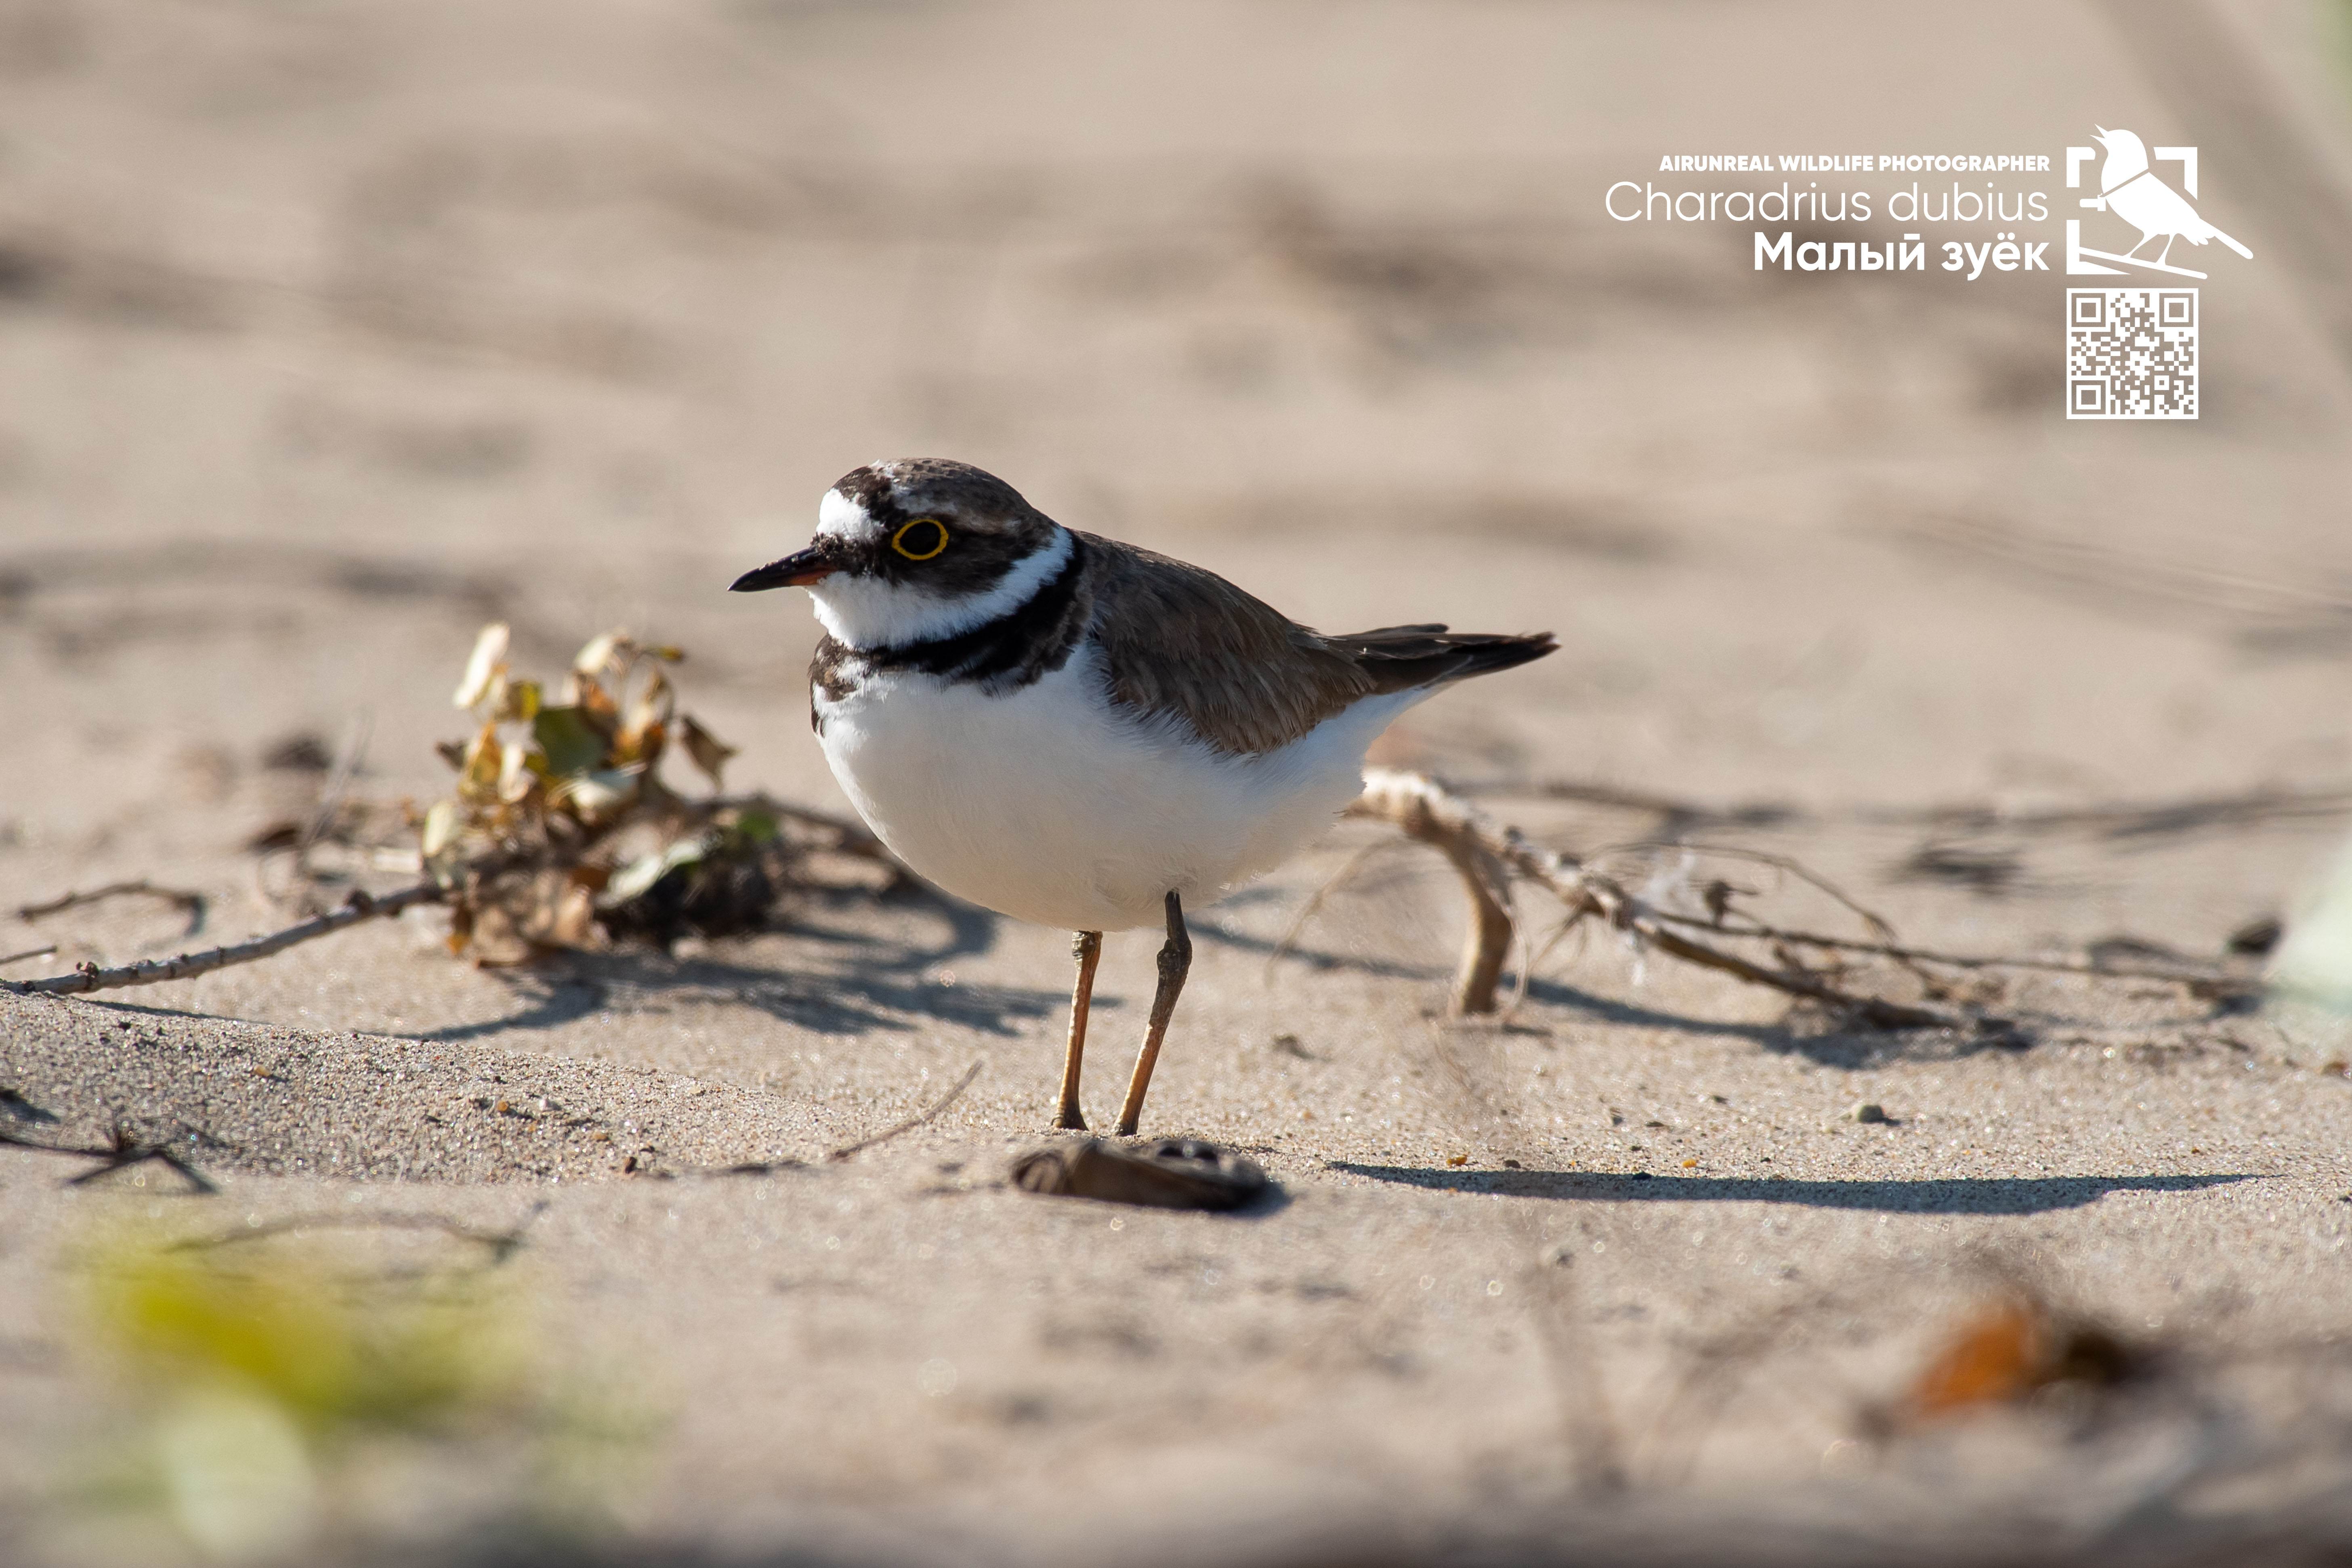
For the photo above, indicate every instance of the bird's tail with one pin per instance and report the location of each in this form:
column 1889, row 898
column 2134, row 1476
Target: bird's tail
column 1399, row 659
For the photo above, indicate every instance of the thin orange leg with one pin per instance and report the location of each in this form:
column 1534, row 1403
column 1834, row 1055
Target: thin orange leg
column 1086, row 946
column 1175, row 963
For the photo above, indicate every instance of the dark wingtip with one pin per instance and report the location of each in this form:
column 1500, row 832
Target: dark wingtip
column 1400, row 657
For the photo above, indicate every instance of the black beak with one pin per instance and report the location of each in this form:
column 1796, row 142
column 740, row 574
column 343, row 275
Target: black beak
column 818, row 562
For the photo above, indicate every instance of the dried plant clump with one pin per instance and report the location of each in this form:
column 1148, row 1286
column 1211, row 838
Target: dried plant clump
column 561, row 832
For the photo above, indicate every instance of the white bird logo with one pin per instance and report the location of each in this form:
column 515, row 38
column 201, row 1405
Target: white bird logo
column 2129, row 189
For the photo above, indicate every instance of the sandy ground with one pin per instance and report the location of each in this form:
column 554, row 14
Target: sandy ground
column 326, row 335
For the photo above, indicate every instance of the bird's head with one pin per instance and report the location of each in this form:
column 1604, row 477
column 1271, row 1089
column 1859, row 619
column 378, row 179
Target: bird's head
column 2123, row 147
column 917, row 549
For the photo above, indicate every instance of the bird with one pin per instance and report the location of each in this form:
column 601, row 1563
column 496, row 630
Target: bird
column 2129, row 187
column 1076, row 732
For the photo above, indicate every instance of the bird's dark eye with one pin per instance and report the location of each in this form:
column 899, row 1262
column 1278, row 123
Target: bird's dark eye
column 921, row 539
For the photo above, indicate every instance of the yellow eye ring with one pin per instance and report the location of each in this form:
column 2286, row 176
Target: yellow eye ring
column 899, row 540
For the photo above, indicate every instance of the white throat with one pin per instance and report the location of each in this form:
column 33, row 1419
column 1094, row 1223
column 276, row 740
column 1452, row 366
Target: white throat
column 866, row 612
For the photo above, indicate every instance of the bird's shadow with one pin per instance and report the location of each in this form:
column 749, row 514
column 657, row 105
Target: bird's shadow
column 1953, row 1194
column 879, row 983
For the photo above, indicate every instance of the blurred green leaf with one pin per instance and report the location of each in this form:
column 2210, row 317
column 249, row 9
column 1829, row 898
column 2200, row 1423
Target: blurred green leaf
column 569, row 742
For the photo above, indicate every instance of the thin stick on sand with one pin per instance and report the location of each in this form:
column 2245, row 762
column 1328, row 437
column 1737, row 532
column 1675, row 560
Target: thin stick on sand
column 188, row 965
column 950, row 1097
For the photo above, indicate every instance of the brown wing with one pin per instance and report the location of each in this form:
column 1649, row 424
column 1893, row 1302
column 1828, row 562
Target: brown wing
column 1182, row 642
column 1185, row 643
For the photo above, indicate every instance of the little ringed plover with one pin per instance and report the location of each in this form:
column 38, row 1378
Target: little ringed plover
column 1069, row 730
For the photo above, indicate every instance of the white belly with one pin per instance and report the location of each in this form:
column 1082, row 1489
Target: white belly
column 1050, row 805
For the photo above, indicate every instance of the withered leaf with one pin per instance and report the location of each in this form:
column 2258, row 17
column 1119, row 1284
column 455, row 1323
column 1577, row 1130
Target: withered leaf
column 596, row 704
column 515, row 777
column 597, row 652
column 635, row 747
column 709, row 752
column 483, row 759
column 651, row 705
column 2005, row 1352
column 440, row 828
column 488, row 659
column 518, row 699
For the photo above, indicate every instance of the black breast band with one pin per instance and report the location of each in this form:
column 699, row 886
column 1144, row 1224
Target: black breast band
column 1027, row 642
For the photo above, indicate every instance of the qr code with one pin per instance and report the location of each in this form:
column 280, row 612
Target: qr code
column 2131, row 354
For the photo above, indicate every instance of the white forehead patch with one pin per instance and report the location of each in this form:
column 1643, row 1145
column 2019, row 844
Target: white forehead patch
column 837, row 515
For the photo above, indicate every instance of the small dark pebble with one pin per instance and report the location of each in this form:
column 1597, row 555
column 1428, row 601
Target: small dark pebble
column 2256, row 937
column 1173, row 1173
column 1641, row 1175
column 298, row 753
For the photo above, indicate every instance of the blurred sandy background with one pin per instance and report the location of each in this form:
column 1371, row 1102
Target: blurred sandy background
column 330, row 331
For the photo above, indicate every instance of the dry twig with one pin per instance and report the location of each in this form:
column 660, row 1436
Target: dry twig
column 1483, row 852
column 359, row 907
column 2211, row 981
column 1426, row 810
column 847, row 1150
